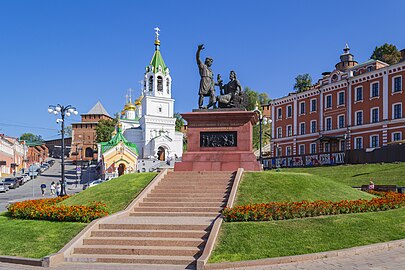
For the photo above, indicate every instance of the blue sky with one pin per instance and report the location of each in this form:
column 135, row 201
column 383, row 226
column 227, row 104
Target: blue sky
column 79, row 52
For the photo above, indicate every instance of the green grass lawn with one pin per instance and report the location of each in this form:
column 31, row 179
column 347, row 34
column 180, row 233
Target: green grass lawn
column 116, row 193
column 272, row 186
column 258, row 240
column 34, row 238
column 356, row 175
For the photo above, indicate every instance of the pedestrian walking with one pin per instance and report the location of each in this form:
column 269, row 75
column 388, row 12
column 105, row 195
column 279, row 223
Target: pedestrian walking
column 43, row 188
column 58, row 189
column 53, row 188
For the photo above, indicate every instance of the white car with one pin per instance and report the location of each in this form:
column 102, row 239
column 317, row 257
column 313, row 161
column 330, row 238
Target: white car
column 93, row 183
column 3, row 187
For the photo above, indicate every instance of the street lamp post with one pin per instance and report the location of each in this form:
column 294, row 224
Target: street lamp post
column 64, row 111
column 262, row 120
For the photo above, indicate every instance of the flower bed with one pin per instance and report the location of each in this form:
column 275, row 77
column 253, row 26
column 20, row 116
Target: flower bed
column 290, row 210
column 49, row 209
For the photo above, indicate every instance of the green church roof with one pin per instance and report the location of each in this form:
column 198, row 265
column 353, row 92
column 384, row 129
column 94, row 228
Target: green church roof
column 119, row 137
column 157, row 60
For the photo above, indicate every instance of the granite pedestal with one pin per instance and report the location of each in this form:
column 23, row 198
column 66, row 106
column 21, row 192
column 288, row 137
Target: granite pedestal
column 219, row 140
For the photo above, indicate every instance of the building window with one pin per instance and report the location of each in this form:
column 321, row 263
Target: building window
column 341, row 119
column 359, row 118
column 327, row 148
column 329, row 123
column 396, row 136
column 150, row 84
column 302, row 128
column 89, row 152
column 301, row 149
column 375, row 89
column 359, row 93
column 289, row 111
column 397, row 84
column 302, row 108
column 329, row 101
column 313, row 148
column 397, row 111
column 374, row 141
column 278, row 151
column 279, row 132
column 289, row 131
column 168, row 85
column 369, row 69
column 341, row 99
column 313, row 105
column 279, row 113
column 160, row 84
column 358, row 143
column 313, row 126
column 288, row 150
column 342, row 145
column 374, row 115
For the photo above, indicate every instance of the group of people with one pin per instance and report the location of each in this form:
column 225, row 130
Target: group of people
column 55, row 189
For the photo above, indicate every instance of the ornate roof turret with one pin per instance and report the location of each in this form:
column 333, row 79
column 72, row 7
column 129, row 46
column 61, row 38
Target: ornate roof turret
column 157, row 64
column 116, row 139
column 346, row 60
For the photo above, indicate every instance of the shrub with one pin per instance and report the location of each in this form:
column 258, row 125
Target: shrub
column 303, row 209
column 48, row 209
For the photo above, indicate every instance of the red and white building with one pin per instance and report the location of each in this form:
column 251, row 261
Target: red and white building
column 356, row 106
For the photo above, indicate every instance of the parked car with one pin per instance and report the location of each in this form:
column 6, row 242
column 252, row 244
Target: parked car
column 51, row 162
column 11, row 182
column 92, row 183
column 26, row 177
column 3, row 187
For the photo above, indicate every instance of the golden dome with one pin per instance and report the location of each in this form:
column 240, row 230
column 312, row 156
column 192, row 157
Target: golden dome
column 138, row 101
column 129, row 107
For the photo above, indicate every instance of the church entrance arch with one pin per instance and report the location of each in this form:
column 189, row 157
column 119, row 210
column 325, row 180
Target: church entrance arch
column 161, row 154
column 121, row 169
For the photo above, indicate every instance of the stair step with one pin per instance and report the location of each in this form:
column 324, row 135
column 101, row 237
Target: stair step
column 187, row 195
column 178, row 209
column 138, row 250
column 181, row 204
column 190, row 192
column 149, row 233
column 192, row 189
column 175, row 199
column 138, row 259
column 168, row 214
column 125, row 226
column 145, row 241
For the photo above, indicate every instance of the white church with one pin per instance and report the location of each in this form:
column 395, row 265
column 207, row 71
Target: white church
column 149, row 121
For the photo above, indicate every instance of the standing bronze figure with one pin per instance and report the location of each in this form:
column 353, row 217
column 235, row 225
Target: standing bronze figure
column 207, row 83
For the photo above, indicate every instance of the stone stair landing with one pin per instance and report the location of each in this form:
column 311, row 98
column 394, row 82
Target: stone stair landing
column 170, row 226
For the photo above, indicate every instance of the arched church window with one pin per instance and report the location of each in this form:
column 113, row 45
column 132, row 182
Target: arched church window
column 144, row 85
column 168, row 85
column 334, row 78
column 160, row 84
column 150, row 83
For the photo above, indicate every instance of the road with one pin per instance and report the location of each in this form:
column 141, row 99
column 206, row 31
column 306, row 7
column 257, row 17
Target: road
column 32, row 190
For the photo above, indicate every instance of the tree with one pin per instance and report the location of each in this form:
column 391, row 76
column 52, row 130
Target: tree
column 387, row 53
column 31, row 137
column 303, row 83
column 260, row 98
column 104, row 129
column 179, row 121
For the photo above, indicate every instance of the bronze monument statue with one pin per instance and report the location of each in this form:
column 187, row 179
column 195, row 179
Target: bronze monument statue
column 207, row 80
column 231, row 93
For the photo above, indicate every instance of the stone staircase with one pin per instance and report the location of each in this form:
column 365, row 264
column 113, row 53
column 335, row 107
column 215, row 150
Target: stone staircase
column 170, row 226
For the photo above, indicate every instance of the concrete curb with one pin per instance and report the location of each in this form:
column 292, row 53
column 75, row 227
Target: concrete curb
column 59, row 257
column 209, row 246
column 20, row 260
column 310, row 257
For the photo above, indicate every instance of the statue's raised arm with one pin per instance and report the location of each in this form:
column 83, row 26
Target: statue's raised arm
column 197, row 56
